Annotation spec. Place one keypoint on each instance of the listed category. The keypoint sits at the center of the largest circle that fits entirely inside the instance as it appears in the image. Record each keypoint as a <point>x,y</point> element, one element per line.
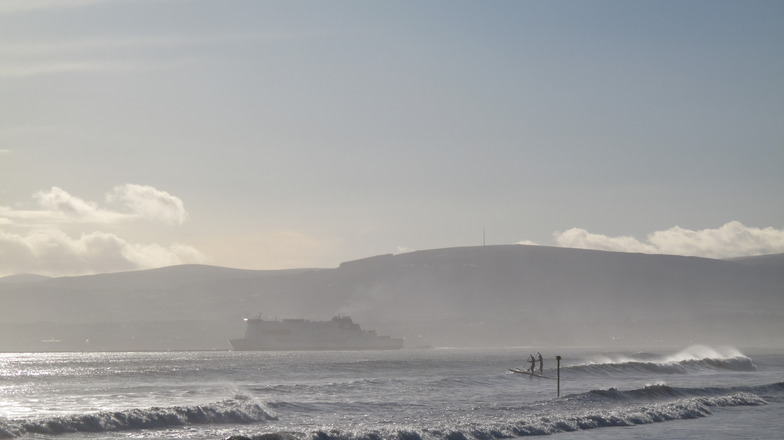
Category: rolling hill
<point>511,295</point>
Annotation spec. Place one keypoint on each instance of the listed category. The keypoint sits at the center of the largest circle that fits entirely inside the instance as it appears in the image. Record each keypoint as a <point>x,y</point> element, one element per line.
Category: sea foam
<point>240,409</point>
<point>545,423</point>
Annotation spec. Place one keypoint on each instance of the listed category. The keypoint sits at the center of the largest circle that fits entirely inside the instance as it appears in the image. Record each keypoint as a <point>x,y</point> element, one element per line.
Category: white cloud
<point>54,253</point>
<point>57,206</point>
<point>56,200</point>
<point>580,238</point>
<point>148,202</point>
<point>35,241</point>
<point>733,239</point>
<point>124,203</point>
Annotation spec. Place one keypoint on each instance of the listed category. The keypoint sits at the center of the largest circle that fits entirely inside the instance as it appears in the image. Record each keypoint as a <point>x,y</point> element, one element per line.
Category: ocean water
<point>426,394</point>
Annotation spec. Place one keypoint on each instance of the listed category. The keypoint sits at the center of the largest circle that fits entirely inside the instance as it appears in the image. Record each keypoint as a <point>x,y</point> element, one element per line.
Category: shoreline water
<point>376,395</point>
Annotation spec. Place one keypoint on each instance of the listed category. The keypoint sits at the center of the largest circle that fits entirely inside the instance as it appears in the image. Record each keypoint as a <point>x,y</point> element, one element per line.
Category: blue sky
<point>268,135</point>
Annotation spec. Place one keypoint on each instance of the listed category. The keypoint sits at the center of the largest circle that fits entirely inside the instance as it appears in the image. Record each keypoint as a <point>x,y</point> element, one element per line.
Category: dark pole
<point>558,369</point>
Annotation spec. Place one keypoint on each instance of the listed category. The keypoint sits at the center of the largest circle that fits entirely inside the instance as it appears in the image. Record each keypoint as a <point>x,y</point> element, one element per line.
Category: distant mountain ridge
<point>773,260</point>
<point>484,295</point>
<point>23,278</point>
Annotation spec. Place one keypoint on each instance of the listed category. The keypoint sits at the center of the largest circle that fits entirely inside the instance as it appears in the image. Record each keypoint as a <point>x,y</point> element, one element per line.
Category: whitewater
<point>412,394</point>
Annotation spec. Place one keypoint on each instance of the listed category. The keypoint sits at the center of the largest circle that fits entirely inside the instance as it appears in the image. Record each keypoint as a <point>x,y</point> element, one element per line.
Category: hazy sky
<point>277,134</point>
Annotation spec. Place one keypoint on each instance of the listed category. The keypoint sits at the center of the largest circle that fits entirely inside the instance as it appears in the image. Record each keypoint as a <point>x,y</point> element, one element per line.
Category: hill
<point>495,295</point>
<point>23,278</point>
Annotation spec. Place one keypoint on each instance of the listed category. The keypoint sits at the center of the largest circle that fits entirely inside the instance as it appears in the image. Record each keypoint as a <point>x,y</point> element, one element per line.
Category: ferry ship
<point>340,333</point>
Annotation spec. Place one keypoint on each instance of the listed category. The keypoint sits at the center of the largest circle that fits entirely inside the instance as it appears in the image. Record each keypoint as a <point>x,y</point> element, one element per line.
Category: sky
<point>286,134</point>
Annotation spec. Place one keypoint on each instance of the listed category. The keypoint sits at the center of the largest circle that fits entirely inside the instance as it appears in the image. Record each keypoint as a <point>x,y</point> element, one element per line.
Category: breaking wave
<point>240,409</point>
<point>661,392</point>
<point>695,359</point>
<point>589,410</point>
<point>544,422</point>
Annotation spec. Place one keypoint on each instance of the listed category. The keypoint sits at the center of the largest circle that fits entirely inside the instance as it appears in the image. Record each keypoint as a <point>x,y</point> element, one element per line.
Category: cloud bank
<point>733,239</point>
<point>122,203</point>
<point>147,202</point>
<point>34,240</point>
<point>54,253</point>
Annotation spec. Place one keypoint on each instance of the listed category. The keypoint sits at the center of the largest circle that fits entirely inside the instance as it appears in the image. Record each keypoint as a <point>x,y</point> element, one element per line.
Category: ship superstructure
<point>340,333</point>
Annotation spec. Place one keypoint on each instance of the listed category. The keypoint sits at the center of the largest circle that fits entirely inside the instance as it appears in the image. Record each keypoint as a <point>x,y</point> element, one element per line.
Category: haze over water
<point>598,180</point>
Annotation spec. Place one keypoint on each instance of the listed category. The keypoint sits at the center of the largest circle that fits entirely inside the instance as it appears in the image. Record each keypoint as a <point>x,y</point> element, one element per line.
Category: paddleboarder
<point>541,363</point>
<point>533,363</point>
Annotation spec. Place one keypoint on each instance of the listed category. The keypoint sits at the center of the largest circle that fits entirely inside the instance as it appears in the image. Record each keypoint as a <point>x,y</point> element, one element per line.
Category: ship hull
<point>302,335</point>
<point>251,345</point>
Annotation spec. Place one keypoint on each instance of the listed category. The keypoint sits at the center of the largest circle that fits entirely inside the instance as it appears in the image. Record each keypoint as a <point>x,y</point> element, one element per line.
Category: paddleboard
<point>520,371</point>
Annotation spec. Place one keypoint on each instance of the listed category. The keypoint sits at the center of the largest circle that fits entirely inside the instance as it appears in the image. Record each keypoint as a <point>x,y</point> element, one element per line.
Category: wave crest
<point>691,360</point>
<point>237,410</point>
<point>540,424</point>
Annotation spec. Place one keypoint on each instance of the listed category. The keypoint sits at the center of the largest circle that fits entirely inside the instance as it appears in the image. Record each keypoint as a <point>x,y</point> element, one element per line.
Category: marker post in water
<point>558,374</point>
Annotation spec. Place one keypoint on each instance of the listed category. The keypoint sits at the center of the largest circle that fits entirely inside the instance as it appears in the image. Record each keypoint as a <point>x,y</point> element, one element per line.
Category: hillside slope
<point>494,295</point>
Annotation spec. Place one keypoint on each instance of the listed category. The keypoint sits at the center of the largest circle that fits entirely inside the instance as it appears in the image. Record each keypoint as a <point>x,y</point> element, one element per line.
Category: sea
<point>694,392</point>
